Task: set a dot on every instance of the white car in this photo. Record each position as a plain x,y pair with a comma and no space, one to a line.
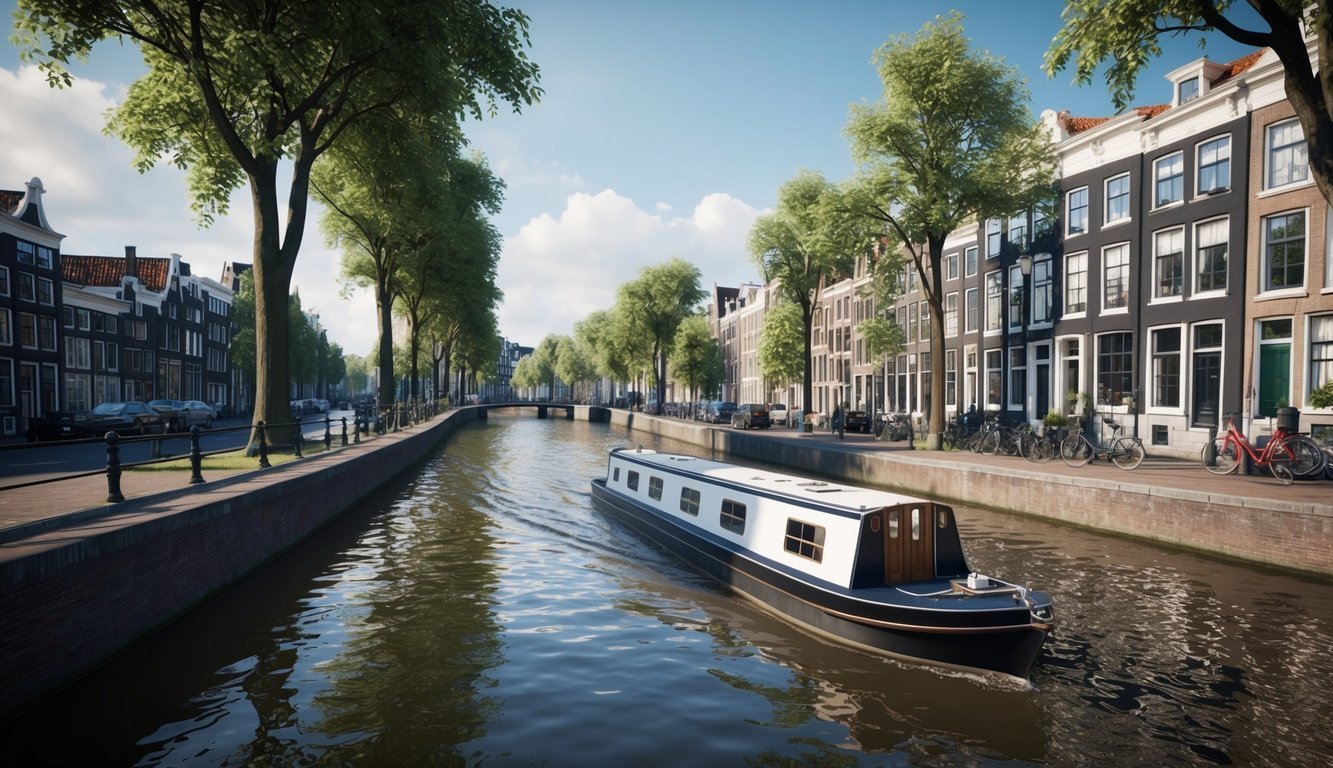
777,413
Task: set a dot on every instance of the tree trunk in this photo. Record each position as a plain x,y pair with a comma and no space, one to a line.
273,276
935,428
384,308
808,383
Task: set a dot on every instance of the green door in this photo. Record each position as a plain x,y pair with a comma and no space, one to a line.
1274,376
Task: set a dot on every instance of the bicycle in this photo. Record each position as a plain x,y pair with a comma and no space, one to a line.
1041,447
1125,452
1287,456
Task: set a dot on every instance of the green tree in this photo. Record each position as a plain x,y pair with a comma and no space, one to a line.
1129,32
782,347
234,90
696,358
618,352
952,141
543,361
653,306
241,348
574,363
807,242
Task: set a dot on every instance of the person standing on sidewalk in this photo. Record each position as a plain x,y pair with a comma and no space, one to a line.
838,418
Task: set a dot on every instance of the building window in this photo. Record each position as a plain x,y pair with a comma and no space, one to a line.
27,287
1042,280
6,330
689,501
951,314
1117,199
46,292
6,382
1018,378
1166,368
925,322
994,301
1321,351
46,331
951,378
1210,259
1188,90
994,377
1115,277
44,257
1115,368
4,281
1076,283
1169,175
1168,263
27,330
1206,375
1284,251
805,539
1018,232
655,488
1286,156
78,353
1214,166
951,267
732,517
970,257
1015,296
971,312
1076,206
993,236
25,252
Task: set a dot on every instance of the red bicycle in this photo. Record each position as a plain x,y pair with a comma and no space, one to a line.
1287,455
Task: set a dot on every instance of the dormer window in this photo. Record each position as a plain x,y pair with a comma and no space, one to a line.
1187,90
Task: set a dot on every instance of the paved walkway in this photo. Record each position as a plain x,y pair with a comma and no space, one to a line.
85,497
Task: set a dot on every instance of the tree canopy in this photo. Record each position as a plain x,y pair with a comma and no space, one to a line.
652,307
231,93
952,141
1129,34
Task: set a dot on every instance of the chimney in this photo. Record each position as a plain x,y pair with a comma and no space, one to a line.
131,264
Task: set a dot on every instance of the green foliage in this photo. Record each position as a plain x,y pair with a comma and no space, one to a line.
782,344
241,349
1322,397
653,305
883,337
696,358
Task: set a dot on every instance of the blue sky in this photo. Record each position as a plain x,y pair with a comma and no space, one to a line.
665,129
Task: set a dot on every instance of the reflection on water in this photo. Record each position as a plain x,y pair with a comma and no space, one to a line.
483,612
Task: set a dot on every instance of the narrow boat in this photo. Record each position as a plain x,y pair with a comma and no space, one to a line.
872,569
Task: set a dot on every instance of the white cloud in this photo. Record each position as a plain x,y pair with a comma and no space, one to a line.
558,269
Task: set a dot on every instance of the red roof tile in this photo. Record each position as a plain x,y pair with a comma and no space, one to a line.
108,271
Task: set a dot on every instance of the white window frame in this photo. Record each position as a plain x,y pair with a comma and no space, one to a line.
1107,199
1182,377
950,267
1082,257
971,260
951,315
1069,211
1317,376
1127,280
1157,296
1265,290
1179,175
997,296
972,320
1199,165
1299,161
1198,292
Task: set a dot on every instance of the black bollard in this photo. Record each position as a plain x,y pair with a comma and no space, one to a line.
344,430
196,458
263,446
356,430
113,493
296,441
328,436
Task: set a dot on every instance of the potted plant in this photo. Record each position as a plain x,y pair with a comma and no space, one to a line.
1055,423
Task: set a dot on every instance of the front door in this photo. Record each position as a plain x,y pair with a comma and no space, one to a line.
1274,377
909,543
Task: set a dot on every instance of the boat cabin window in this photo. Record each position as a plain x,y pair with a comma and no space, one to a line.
942,517
893,524
655,488
633,480
689,501
805,539
733,516
615,475
916,524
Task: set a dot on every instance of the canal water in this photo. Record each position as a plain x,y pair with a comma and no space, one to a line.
483,613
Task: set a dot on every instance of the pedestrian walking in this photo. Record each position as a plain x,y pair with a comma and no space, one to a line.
839,416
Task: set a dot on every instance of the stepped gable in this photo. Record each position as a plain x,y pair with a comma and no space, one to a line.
109,271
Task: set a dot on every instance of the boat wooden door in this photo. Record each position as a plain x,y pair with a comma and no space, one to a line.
909,543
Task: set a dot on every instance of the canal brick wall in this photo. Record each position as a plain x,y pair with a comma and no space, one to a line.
73,596
1182,505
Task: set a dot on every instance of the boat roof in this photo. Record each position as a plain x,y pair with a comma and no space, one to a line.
848,498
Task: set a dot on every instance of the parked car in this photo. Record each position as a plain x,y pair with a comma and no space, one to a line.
750,416
719,412
180,415
856,421
126,418
777,414
57,425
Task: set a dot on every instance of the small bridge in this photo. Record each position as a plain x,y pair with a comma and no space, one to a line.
585,412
